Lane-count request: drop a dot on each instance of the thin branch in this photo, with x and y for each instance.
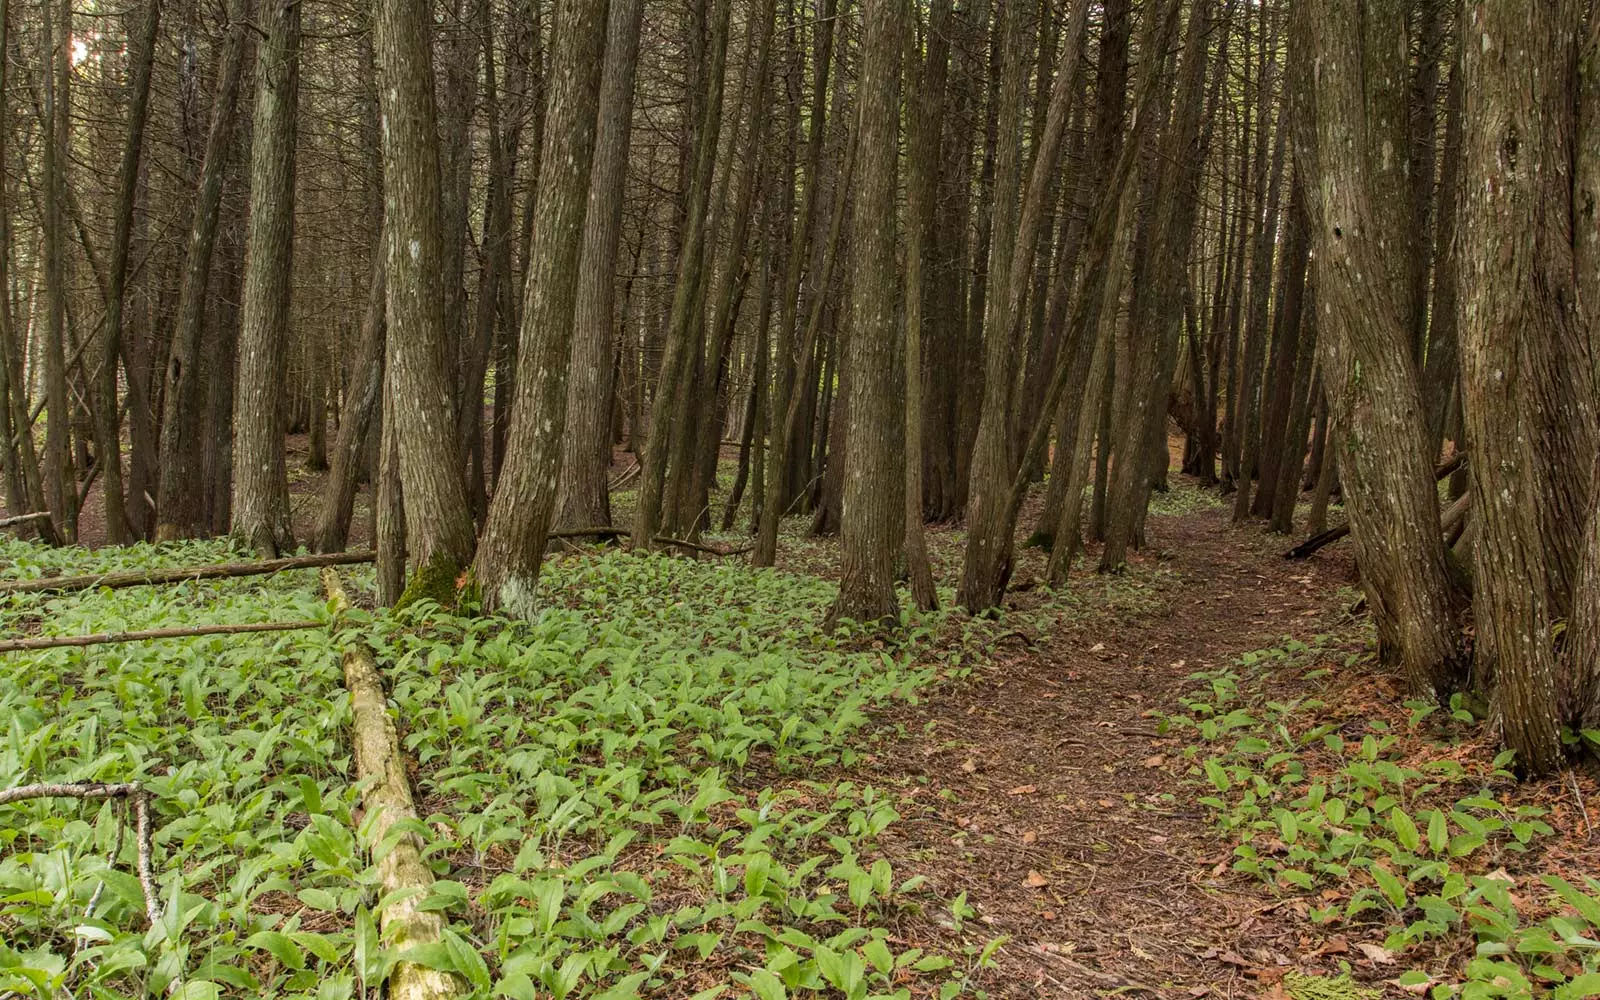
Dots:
(38, 515)
(76, 790)
(102, 638)
(141, 814)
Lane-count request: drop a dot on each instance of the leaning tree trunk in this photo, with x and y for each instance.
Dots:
(518, 527)
(438, 521)
(261, 482)
(1368, 371)
(869, 521)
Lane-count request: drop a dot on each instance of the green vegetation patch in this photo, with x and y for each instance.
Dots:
(628, 796)
(1395, 826)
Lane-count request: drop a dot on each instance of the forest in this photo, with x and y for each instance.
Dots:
(760, 499)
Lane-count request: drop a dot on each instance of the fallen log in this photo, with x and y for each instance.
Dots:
(1326, 538)
(386, 798)
(157, 577)
(11, 522)
(186, 632)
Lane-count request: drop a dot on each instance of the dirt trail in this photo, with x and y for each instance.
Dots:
(1057, 807)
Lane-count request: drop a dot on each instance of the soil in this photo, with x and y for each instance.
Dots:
(1056, 806)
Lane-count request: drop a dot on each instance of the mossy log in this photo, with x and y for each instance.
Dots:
(386, 798)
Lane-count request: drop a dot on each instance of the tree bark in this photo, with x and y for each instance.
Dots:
(871, 526)
(261, 481)
(1528, 386)
(509, 554)
(438, 520)
(585, 495)
(1367, 366)
(179, 500)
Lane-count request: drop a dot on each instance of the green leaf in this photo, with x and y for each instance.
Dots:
(765, 985)
(1405, 830)
(1393, 889)
(1438, 831)
(288, 954)
(879, 955)
(1587, 906)
(319, 899)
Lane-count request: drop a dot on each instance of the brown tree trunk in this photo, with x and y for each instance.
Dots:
(1158, 320)
(179, 499)
(515, 534)
(438, 520)
(261, 482)
(107, 427)
(1367, 365)
(871, 528)
(585, 498)
(60, 476)
(1528, 386)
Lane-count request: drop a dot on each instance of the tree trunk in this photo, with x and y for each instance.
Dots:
(179, 498)
(871, 528)
(438, 520)
(261, 482)
(1367, 366)
(1528, 388)
(60, 477)
(107, 427)
(515, 534)
(585, 498)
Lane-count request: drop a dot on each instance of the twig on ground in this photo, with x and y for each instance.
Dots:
(1582, 809)
(89, 790)
(74, 790)
(102, 638)
(147, 882)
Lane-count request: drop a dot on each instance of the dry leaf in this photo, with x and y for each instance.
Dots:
(1155, 761)
(1234, 958)
(1036, 880)
(1378, 954)
(969, 766)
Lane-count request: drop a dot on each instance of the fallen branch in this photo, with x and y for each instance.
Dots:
(102, 638)
(684, 543)
(11, 522)
(626, 476)
(386, 797)
(100, 790)
(596, 532)
(156, 577)
(1326, 538)
(75, 790)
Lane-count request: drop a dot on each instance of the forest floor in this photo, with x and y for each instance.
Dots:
(1070, 821)
(1085, 788)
